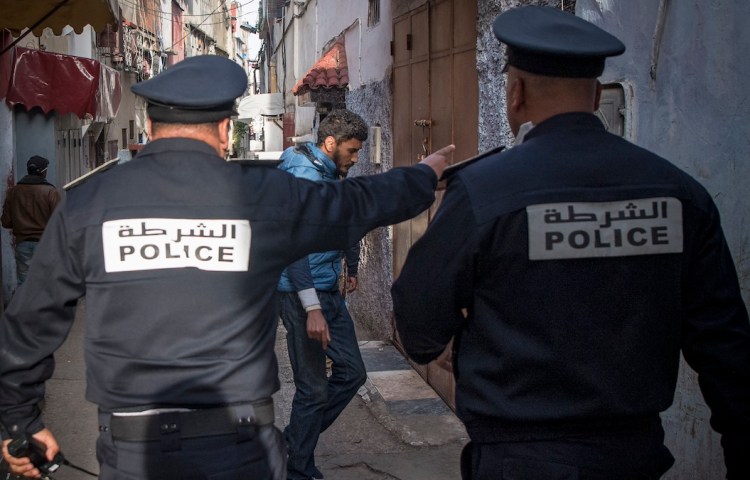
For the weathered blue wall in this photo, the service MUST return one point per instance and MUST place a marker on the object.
(35, 135)
(694, 111)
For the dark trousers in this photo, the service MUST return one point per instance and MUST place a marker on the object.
(590, 457)
(258, 456)
(318, 400)
(24, 252)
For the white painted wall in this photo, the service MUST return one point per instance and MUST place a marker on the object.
(695, 113)
(166, 23)
(69, 42)
(274, 135)
(367, 48)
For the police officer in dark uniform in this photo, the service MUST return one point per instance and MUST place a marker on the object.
(178, 253)
(584, 265)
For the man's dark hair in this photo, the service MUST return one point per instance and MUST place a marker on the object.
(342, 125)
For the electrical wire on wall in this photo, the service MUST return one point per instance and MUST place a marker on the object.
(144, 45)
(168, 15)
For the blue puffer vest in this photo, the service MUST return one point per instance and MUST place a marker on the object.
(307, 161)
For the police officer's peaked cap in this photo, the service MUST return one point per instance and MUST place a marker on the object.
(196, 90)
(548, 41)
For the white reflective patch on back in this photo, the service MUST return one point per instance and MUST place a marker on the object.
(134, 244)
(644, 226)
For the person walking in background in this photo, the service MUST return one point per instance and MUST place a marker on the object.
(26, 211)
(313, 309)
(585, 266)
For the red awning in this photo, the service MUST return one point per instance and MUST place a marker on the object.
(330, 71)
(64, 83)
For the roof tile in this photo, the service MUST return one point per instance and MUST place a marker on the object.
(330, 71)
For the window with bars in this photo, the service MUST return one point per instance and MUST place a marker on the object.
(373, 13)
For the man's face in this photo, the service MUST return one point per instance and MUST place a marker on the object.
(345, 155)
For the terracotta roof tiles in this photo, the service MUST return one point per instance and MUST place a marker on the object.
(330, 71)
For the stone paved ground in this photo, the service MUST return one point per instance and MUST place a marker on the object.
(397, 428)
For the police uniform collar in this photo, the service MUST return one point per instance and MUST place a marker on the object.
(175, 144)
(550, 42)
(566, 121)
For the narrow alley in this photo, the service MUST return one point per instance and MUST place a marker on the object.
(397, 428)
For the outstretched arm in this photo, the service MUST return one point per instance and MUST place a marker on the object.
(334, 215)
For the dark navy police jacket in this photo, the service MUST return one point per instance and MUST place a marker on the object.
(586, 264)
(178, 253)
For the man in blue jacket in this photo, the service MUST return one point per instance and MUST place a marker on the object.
(312, 306)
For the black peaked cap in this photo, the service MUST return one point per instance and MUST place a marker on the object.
(196, 90)
(548, 41)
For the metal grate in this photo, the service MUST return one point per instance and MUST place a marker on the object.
(373, 13)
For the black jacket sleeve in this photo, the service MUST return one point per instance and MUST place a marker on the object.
(351, 256)
(35, 324)
(716, 341)
(300, 274)
(444, 259)
(335, 215)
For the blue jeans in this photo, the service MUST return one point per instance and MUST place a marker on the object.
(318, 400)
(24, 252)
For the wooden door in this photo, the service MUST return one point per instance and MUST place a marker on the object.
(435, 103)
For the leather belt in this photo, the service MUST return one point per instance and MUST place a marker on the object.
(192, 424)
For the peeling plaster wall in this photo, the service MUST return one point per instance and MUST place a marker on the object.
(493, 124)
(695, 113)
(370, 305)
(7, 149)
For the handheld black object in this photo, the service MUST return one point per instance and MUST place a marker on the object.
(27, 446)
